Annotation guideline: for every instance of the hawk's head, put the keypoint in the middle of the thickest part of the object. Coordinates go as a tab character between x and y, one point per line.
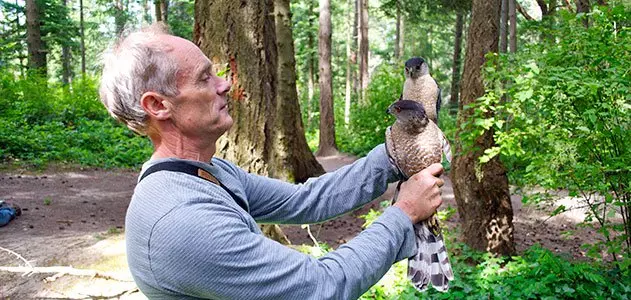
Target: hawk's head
410	114
416	67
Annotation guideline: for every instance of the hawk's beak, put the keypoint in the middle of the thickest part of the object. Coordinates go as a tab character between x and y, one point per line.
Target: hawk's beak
390	109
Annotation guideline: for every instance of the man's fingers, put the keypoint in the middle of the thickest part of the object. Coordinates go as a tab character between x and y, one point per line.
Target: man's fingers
435	169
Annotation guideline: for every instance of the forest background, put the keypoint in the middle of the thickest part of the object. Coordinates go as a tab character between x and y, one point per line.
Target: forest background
535	101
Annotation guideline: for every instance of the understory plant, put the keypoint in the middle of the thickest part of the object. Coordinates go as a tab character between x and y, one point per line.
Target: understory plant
561	115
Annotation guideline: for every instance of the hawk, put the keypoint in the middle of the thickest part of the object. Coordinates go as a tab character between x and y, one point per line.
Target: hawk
421	87
415	142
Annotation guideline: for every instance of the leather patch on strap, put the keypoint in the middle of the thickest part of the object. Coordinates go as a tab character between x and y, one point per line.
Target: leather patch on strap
203	174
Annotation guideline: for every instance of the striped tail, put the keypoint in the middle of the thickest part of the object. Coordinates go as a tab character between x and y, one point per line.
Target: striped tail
431	263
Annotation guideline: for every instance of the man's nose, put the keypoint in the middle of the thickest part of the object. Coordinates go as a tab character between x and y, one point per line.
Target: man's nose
223	86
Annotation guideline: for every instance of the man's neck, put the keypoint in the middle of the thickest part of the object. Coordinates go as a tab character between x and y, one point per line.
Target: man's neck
178	146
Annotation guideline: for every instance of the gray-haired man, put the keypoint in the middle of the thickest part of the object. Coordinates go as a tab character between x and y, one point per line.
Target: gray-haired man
195	236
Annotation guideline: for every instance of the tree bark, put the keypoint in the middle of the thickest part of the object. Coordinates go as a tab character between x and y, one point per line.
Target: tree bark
267	137
402	37
244	39
327	145
363	51
157	5
66	74
347	94
355	49
583	6
311	68
504	27
512	15
82	33
397	38
455	68
481	190
164	11
36	46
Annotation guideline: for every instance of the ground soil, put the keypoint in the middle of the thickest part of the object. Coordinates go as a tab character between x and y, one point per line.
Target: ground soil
75	217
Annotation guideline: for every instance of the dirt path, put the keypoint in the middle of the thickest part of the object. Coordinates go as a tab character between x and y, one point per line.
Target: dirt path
76	218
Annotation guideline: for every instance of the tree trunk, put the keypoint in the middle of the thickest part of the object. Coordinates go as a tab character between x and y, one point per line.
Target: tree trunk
402	37
582	6
455	68
36	46
355	49
267	137
244	39
157	5
82	33
481	190
18	25
327	144
363	51
347	94
66	75
504	27
164	10
311	68
397	38
512	15
299	163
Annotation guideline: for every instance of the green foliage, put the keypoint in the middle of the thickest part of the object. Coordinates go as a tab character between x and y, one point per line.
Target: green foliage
41	123
535	274
368	123
566	123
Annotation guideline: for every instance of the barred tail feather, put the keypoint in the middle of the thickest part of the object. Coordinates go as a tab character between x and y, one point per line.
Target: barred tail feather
431	263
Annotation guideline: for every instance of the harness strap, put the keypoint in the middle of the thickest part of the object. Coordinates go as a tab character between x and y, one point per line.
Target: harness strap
183	167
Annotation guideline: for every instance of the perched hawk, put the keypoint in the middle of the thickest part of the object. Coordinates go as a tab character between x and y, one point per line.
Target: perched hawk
414	142
421	87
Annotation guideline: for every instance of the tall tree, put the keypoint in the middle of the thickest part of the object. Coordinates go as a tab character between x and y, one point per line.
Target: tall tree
157	7
82	35
363	50
310	64
582	6
349	67
36	46
65	59
481	190
398	34
267	137
455	67
164	10
512	16
504	27
327	145
244	40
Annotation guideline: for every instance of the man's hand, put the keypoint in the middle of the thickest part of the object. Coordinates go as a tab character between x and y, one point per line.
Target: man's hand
419	196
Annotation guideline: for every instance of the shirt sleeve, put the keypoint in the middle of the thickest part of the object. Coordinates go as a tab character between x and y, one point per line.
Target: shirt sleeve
321	198
219	257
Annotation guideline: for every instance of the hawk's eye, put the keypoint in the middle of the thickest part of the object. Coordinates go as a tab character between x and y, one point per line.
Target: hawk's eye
398	109
418	67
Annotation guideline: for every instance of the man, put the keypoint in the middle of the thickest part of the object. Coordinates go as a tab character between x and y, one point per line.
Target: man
190	238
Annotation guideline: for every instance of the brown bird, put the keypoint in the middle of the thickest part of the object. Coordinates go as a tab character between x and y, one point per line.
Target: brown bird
414	142
421	87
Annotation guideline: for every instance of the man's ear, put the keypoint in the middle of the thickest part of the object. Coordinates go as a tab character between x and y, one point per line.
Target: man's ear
156	105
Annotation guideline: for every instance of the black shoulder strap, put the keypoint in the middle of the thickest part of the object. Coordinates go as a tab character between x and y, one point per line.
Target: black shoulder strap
183	167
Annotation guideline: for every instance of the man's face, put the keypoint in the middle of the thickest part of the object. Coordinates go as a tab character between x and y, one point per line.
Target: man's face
200	109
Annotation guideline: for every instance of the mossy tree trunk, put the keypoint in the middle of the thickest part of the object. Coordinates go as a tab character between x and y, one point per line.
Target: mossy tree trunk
267	137
481	190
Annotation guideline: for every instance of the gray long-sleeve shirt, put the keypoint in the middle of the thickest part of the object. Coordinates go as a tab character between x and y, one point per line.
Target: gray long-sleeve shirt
187	237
